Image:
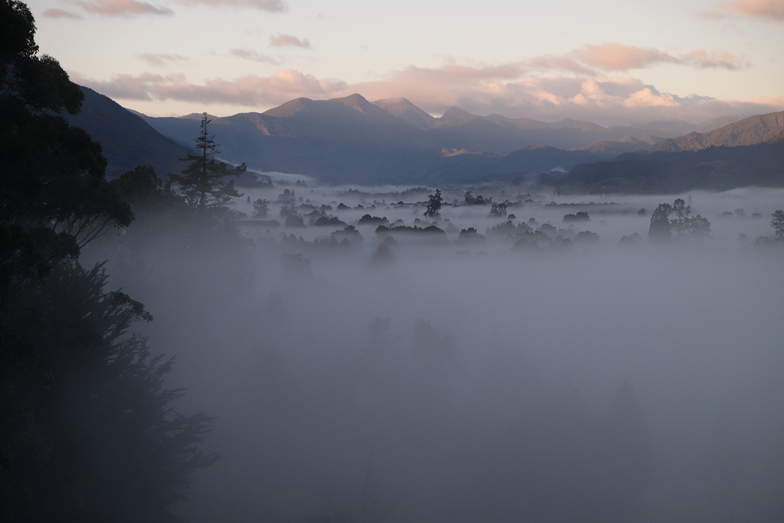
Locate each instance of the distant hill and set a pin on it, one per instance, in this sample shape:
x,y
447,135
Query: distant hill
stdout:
x,y
126,139
407,112
713,168
352,140
627,144
749,131
465,167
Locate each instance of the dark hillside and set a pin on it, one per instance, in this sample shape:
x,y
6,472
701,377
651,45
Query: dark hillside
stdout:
x,y
127,140
714,168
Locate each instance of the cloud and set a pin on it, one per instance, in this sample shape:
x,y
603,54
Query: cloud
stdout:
x,y
273,6
620,57
162,59
717,59
255,56
609,100
60,13
246,91
770,10
613,57
559,63
289,41
120,8
129,8
514,89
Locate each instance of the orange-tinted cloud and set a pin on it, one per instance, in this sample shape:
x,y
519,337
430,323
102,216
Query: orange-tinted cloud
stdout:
x,y
273,6
608,100
559,63
162,59
247,91
120,8
252,55
771,10
507,89
289,41
613,57
716,59
60,13
620,57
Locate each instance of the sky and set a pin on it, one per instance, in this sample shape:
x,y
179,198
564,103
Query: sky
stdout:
x,y
613,62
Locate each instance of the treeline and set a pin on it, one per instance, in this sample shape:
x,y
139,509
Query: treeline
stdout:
x,y
88,428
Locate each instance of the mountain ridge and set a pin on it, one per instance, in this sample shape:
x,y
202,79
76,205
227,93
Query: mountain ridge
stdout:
x,y
353,140
126,139
748,131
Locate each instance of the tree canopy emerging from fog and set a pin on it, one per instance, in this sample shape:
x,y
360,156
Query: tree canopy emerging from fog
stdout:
x,y
778,225
87,432
434,204
667,220
203,182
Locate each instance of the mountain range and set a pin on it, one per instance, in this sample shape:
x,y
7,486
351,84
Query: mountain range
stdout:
x,y
352,140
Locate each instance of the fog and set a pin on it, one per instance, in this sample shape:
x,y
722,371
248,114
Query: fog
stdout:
x,y
456,377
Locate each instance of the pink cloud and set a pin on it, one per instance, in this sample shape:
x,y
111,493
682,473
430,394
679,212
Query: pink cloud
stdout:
x,y
120,8
717,59
273,6
162,59
559,63
252,55
771,10
60,13
620,57
124,86
612,100
289,41
247,91
507,89
613,57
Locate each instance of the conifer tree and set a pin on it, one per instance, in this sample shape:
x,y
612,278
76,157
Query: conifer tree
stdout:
x,y
203,182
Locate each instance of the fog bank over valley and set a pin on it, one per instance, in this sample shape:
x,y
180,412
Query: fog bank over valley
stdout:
x,y
515,357
351,310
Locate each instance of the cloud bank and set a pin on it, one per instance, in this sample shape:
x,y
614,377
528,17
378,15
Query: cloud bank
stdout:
x,y
120,8
591,83
247,91
252,55
766,10
273,6
289,41
162,59
132,8
60,13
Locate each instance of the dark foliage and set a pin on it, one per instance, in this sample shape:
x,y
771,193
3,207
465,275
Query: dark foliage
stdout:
x,y
95,438
53,194
581,216
498,210
203,182
682,224
434,204
87,432
777,222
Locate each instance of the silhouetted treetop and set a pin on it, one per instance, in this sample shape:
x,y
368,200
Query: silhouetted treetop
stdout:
x,y
203,182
